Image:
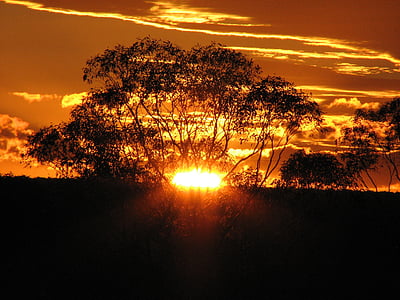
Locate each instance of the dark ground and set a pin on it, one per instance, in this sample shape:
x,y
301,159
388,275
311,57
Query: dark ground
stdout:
x,y
79,239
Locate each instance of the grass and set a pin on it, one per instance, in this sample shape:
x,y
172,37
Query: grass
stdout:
x,y
80,239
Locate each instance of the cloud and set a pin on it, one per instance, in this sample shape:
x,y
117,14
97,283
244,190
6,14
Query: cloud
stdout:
x,y
171,16
286,53
13,136
354,69
241,153
72,99
333,125
174,14
66,100
36,97
330,91
353,103
326,137
384,63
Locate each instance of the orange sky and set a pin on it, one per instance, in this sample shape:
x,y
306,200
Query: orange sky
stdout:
x,y
347,53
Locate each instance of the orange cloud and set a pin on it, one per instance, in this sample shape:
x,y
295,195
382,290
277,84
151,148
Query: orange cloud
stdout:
x,y
333,125
241,153
354,69
343,68
72,99
174,14
66,100
353,103
13,136
36,97
285,53
168,16
329,91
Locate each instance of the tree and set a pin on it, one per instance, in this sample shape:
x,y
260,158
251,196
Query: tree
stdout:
x,y
277,111
375,134
314,170
155,108
52,146
360,157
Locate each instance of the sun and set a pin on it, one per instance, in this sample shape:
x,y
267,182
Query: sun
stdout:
x,y
197,178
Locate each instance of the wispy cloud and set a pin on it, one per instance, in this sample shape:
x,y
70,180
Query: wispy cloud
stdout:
x,y
178,17
36,97
354,69
241,153
66,100
335,92
383,62
175,14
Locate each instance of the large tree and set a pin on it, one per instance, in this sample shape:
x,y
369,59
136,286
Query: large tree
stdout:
x,y
154,108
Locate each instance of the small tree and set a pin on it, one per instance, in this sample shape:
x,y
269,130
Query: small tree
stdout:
x,y
360,157
314,170
375,134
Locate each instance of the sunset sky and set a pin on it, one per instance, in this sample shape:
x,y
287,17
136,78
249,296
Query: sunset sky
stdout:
x,y
346,53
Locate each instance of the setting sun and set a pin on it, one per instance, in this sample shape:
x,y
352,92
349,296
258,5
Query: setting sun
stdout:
x,y
197,179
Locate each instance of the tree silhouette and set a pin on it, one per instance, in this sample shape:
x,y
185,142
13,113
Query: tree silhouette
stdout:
x,y
374,134
277,110
52,145
360,156
314,170
154,108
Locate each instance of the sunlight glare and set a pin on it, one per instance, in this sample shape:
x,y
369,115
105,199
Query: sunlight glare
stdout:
x,y
197,179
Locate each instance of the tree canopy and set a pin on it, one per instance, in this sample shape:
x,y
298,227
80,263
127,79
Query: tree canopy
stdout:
x,y
374,138
154,108
315,170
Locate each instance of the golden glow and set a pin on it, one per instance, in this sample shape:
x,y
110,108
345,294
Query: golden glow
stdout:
x,y
197,179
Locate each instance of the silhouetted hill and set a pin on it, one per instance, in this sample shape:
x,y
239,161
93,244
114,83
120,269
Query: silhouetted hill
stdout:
x,y
98,239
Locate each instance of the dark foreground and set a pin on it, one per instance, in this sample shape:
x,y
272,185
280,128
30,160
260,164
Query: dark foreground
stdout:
x,y
106,240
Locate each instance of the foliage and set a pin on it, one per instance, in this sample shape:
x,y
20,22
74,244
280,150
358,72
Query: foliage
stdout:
x,y
314,170
155,108
53,145
246,178
277,111
359,157
375,134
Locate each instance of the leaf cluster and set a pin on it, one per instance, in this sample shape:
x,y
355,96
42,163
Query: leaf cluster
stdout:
x,y
315,170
